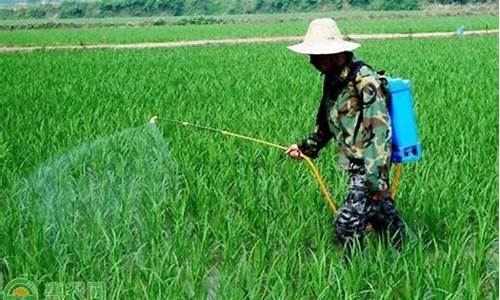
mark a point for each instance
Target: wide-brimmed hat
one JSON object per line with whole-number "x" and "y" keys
{"x": 323, "y": 37}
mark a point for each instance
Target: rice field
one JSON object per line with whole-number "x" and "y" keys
{"x": 243, "y": 18}
{"x": 125, "y": 35}
{"x": 91, "y": 193}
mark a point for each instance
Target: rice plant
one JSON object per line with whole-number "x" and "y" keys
{"x": 176, "y": 213}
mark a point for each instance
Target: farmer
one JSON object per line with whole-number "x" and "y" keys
{"x": 353, "y": 111}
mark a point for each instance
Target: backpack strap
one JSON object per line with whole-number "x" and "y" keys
{"x": 384, "y": 83}
{"x": 352, "y": 76}
{"x": 355, "y": 67}
{"x": 339, "y": 85}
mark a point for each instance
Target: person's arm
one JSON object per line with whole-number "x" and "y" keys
{"x": 311, "y": 144}
{"x": 377, "y": 133}
{"x": 315, "y": 141}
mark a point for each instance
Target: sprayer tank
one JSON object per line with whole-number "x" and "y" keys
{"x": 405, "y": 143}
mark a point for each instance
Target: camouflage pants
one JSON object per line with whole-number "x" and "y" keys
{"x": 359, "y": 210}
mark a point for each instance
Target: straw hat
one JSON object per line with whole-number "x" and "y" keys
{"x": 323, "y": 37}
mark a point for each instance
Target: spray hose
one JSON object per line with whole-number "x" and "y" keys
{"x": 324, "y": 190}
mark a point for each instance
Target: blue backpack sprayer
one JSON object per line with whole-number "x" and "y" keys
{"x": 406, "y": 146}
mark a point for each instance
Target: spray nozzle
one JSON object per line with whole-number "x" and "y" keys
{"x": 153, "y": 120}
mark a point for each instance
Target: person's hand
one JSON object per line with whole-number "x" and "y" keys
{"x": 380, "y": 195}
{"x": 294, "y": 152}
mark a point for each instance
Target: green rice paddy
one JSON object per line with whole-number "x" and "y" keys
{"x": 89, "y": 194}
{"x": 125, "y": 35}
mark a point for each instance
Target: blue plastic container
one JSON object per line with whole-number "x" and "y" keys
{"x": 405, "y": 143}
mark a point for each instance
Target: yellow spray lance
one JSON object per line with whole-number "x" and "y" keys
{"x": 308, "y": 160}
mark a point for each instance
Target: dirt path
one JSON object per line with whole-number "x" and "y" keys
{"x": 273, "y": 39}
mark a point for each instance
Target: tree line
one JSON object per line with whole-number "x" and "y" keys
{"x": 109, "y": 8}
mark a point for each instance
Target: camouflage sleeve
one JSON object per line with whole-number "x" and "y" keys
{"x": 315, "y": 141}
{"x": 376, "y": 134}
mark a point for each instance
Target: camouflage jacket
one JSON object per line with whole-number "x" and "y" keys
{"x": 356, "y": 116}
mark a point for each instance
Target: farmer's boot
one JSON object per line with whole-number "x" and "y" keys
{"x": 385, "y": 220}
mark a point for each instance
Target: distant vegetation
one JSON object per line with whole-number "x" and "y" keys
{"x": 109, "y": 8}
{"x": 108, "y": 34}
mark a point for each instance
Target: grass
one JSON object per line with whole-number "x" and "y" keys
{"x": 122, "y": 35}
{"x": 227, "y": 216}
